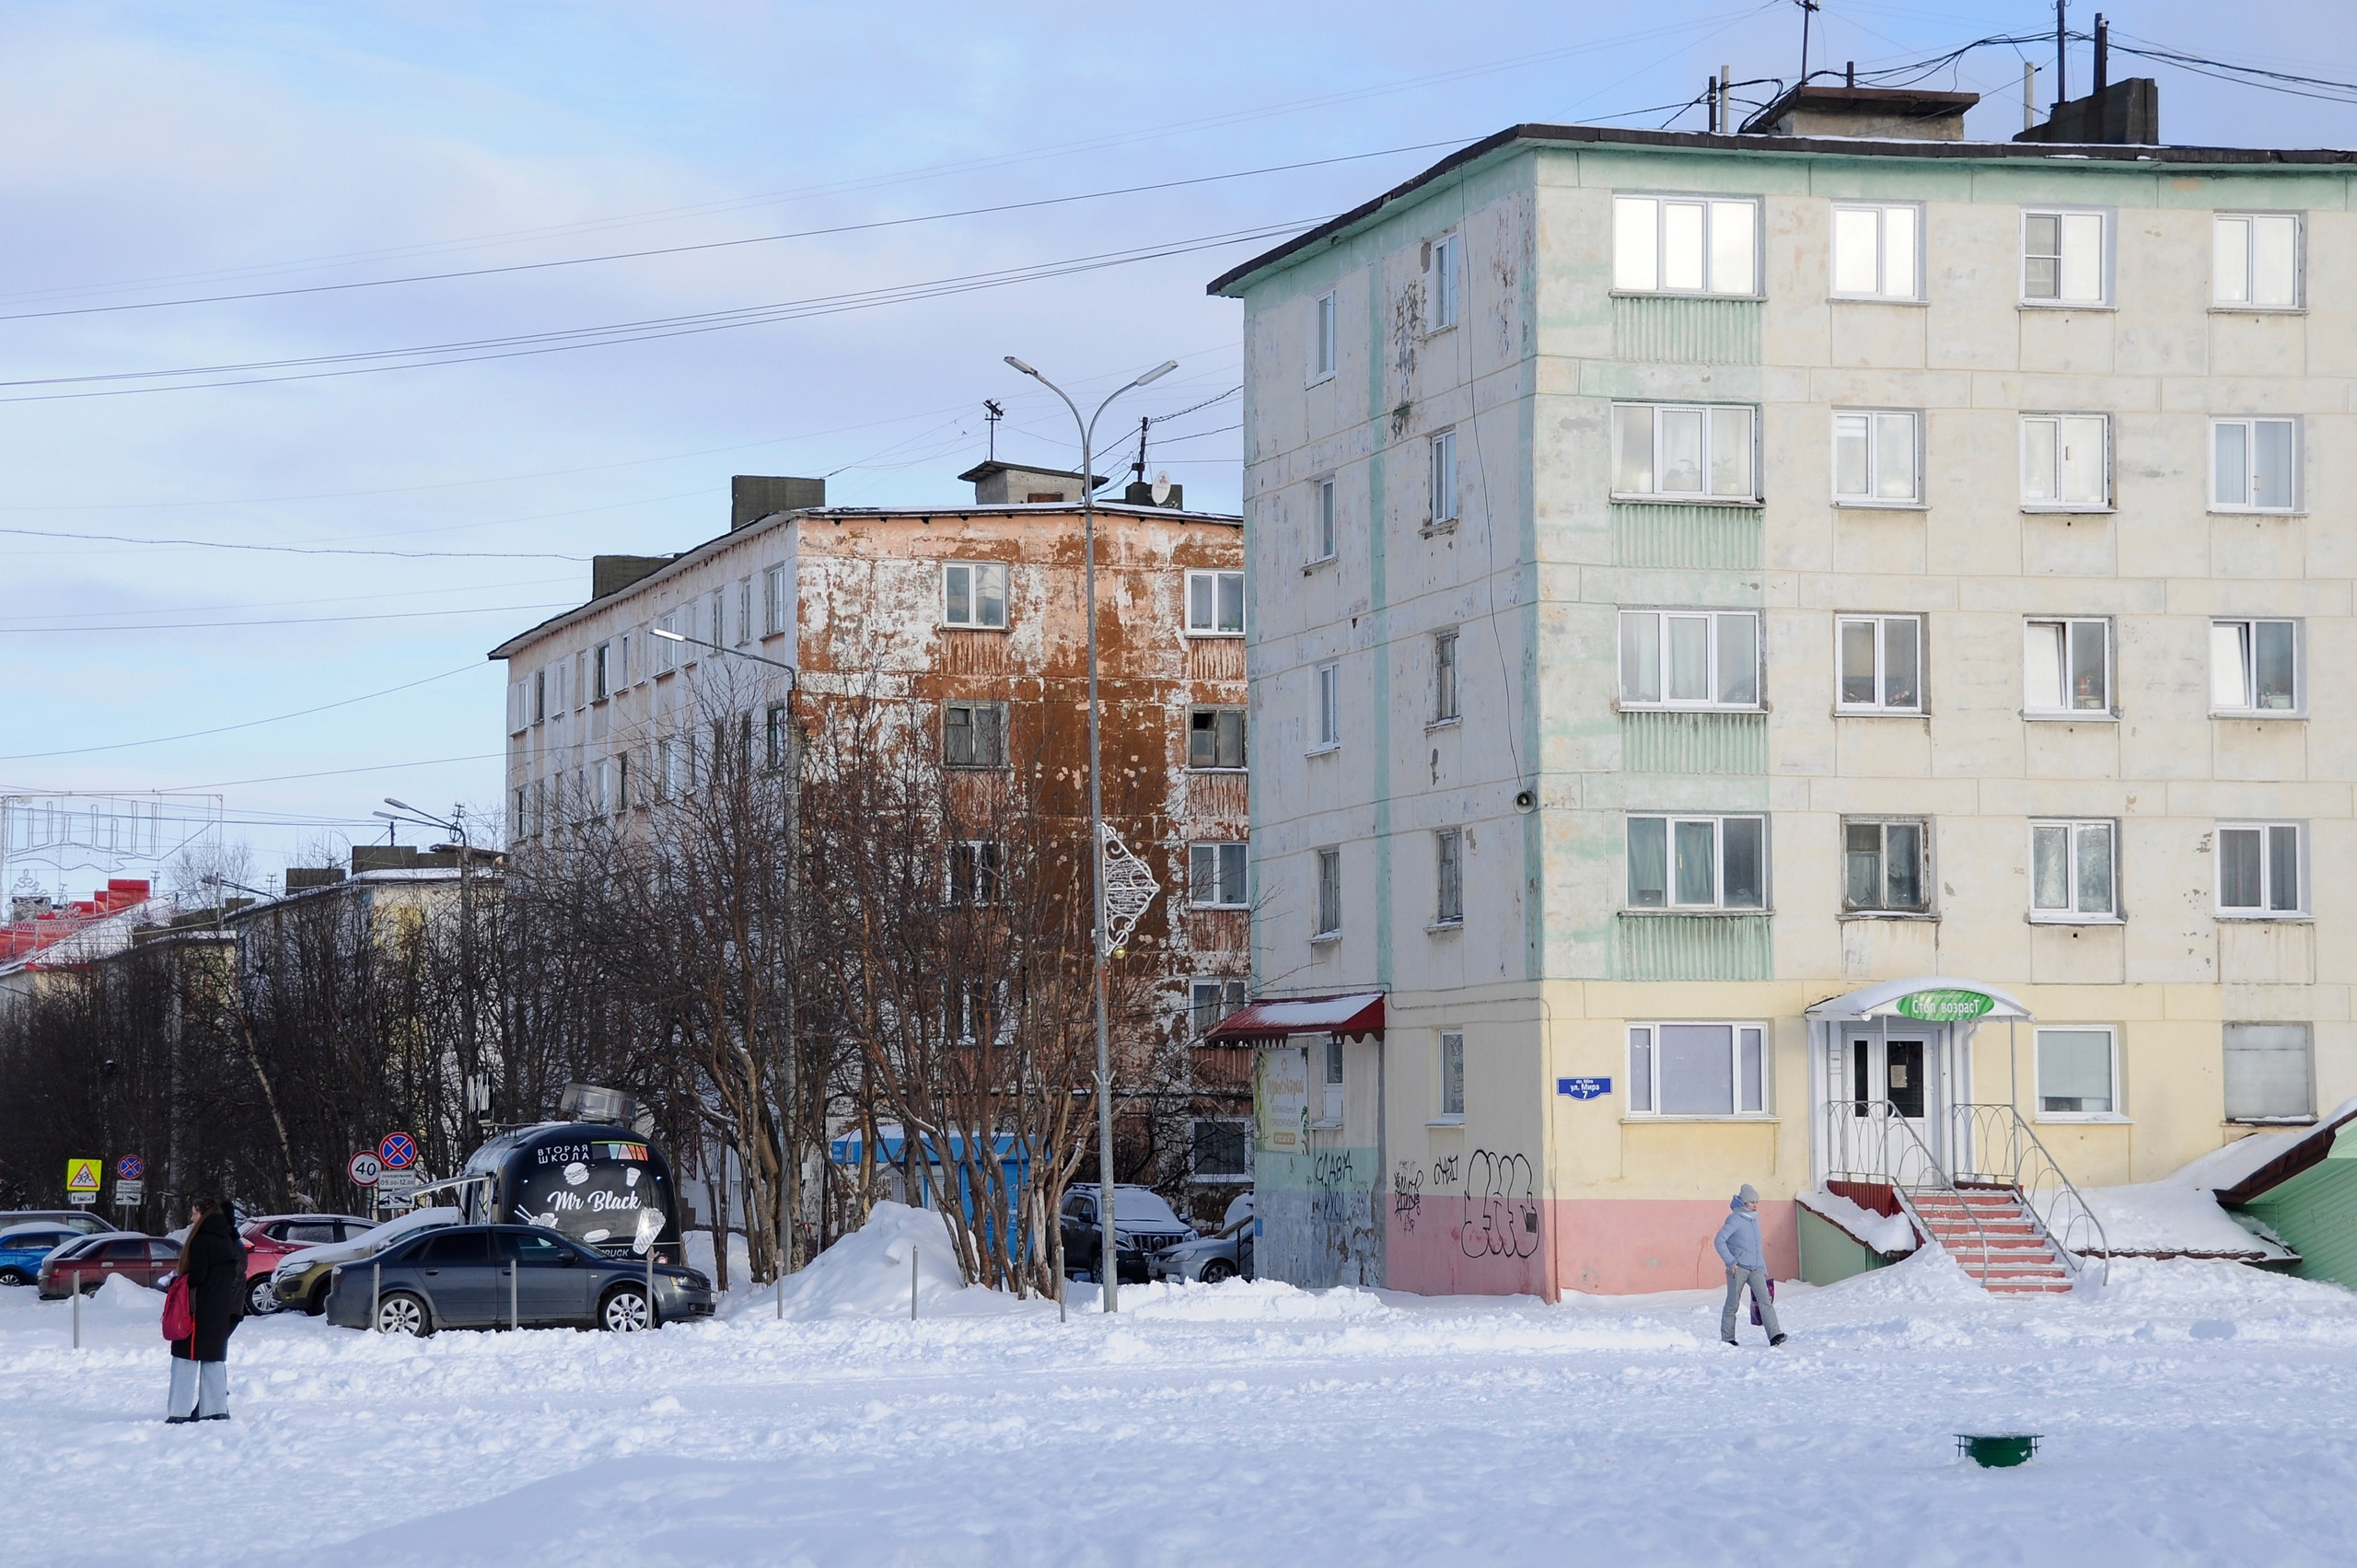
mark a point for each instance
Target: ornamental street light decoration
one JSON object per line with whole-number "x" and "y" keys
{"x": 1130, "y": 888}
{"x": 1109, "y": 1264}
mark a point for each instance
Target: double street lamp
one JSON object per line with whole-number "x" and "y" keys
{"x": 472, "y": 1067}
{"x": 1109, "y": 1258}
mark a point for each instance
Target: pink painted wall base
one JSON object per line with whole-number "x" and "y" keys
{"x": 1603, "y": 1245}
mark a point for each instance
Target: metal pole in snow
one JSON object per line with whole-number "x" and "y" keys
{"x": 650, "y": 1278}
{"x": 512, "y": 1319}
{"x": 376, "y": 1288}
{"x": 912, "y": 1285}
{"x": 78, "y": 1309}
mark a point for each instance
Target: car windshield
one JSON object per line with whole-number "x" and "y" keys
{"x": 1139, "y": 1209}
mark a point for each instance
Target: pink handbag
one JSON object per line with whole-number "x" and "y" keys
{"x": 180, "y": 1323}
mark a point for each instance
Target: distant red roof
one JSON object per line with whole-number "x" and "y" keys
{"x": 1350, "y": 1014}
{"x": 21, "y": 937}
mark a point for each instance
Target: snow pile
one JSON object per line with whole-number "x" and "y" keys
{"x": 2179, "y": 1216}
{"x": 865, "y": 1274}
{"x": 1925, "y": 1277}
{"x": 123, "y": 1295}
{"x": 1235, "y": 1301}
{"x": 1884, "y": 1233}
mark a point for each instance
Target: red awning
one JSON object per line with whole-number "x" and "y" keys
{"x": 1351, "y": 1014}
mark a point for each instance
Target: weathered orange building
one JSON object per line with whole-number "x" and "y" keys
{"x": 972, "y": 618}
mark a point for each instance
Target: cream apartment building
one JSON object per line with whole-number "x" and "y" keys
{"x": 1714, "y": 597}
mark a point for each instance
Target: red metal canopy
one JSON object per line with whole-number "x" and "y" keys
{"x": 1349, "y": 1014}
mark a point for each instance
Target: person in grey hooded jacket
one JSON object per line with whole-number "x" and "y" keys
{"x": 1738, "y": 1245}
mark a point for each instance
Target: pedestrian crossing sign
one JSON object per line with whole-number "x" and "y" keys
{"x": 82, "y": 1176}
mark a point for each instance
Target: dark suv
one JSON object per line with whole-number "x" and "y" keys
{"x": 486, "y": 1276}
{"x": 1143, "y": 1225}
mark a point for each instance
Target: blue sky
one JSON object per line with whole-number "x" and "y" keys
{"x": 162, "y": 152}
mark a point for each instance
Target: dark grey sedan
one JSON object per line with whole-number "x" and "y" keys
{"x": 487, "y": 1276}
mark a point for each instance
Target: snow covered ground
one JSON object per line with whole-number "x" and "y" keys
{"x": 2194, "y": 1412}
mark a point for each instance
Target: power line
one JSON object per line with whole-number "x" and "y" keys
{"x": 311, "y": 621}
{"x": 309, "y": 549}
{"x": 250, "y": 723}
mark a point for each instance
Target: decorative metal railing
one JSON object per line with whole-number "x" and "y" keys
{"x": 1874, "y": 1142}
{"x": 1992, "y": 1146}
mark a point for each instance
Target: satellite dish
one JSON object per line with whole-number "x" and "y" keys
{"x": 1161, "y": 488}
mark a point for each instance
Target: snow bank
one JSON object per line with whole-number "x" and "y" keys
{"x": 1884, "y": 1233}
{"x": 2180, "y": 1213}
{"x": 865, "y": 1274}
{"x": 128, "y": 1295}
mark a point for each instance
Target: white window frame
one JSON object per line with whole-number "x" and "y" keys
{"x": 1324, "y": 526}
{"x": 980, "y": 577}
{"x": 1448, "y": 269}
{"x": 1323, "y": 334}
{"x": 2065, "y": 426}
{"x": 1643, "y": 1042}
{"x": 1884, "y": 260}
{"x": 1876, "y": 421}
{"x": 2069, "y": 222}
{"x": 2037, "y": 1071}
{"x": 1654, "y": 415}
{"x": 2244, "y": 631}
{"x": 2227, "y": 1048}
{"x": 773, "y": 601}
{"x": 1326, "y": 714}
{"x": 1447, "y": 695}
{"x": 1243, "y": 739}
{"x": 2268, "y": 831}
{"x": 540, "y": 695}
{"x": 2072, "y": 627}
{"x": 2224, "y": 242}
{"x": 1223, "y": 868}
{"x": 1325, "y": 914}
{"x": 666, "y": 657}
{"x": 1208, "y": 626}
{"x": 1448, "y": 877}
{"x": 601, "y": 671}
{"x": 1713, "y": 632}
{"x": 717, "y": 623}
{"x": 1671, "y": 822}
{"x": 1636, "y": 212}
{"x": 1926, "y": 878}
{"x": 2073, "y": 830}
{"x": 1881, "y": 705}
{"x": 1195, "y": 1173}
{"x": 744, "y": 613}
{"x": 1447, "y": 504}
{"x": 2247, "y": 481}
{"x": 1450, "y": 1058}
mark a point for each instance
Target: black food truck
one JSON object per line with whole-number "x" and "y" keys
{"x": 605, "y": 1186}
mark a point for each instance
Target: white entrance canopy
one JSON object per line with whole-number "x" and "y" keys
{"x": 1937, "y": 999}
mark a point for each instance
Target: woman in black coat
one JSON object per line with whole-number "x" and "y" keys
{"x": 212, "y": 1260}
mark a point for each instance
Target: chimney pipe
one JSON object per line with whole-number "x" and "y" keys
{"x": 1850, "y": 76}
{"x": 2103, "y": 51}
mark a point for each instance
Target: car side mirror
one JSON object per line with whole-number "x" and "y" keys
{"x": 572, "y": 1259}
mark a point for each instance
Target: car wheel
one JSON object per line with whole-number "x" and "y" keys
{"x": 401, "y": 1313}
{"x": 15, "y": 1277}
{"x": 624, "y": 1311}
{"x": 1218, "y": 1268}
{"x": 316, "y": 1303}
{"x": 261, "y": 1300}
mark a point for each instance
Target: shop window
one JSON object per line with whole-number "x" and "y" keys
{"x": 2270, "y": 1073}
{"x": 2078, "y": 1071}
{"x": 1697, "y": 1069}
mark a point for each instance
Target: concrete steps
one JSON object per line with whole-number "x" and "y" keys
{"x": 2017, "y": 1260}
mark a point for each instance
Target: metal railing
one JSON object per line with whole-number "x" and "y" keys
{"x": 1992, "y": 1146}
{"x": 1874, "y": 1142}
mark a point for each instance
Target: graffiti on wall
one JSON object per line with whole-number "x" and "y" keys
{"x": 1407, "y": 1195}
{"x": 1501, "y": 1207}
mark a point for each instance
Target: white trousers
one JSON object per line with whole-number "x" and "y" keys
{"x": 199, "y": 1389}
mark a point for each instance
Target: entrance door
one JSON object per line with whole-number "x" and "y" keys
{"x": 1890, "y": 1083}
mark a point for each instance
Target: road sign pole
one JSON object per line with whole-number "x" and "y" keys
{"x": 78, "y": 1309}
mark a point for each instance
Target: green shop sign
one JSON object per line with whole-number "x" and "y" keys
{"x": 1946, "y": 1007}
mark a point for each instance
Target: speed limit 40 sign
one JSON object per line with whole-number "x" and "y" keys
{"x": 364, "y": 1168}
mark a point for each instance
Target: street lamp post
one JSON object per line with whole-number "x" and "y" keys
{"x": 1108, "y": 1258}
{"x": 789, "y": 1194}
{"x": 456, "y": 826}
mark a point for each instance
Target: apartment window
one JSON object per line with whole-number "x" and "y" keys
{"x": 1445, "y": 477}
{"x": 667, "y": 654}
{"x": 522, "y": 824}
{"x": 975, "y": 866}
{"x": 2270, "y": 1073}
{"x": 720, "y": 616}
{"x": 1874, "y": 460}
{"x": 1452, "y": 1072}
{"x": 1444, "y": 678}
{"x": 599, "y": 777}
{"x": 1223, "y": 1149}
{"x": 974, "y": 594}
{"x": 744, "y": 613}
{"x": 2254, "y": 465}
{"x": 1884, "y": 865}
{"x": 2260, "y": 869}
{"x": 2078, "y": 1071}
{"x": 622, "y": 662}
{"x": 1216, "y": 604}
{"x": 540, "y": 695}
{"x": 622, "y": 781}
{"x": 1449, "y": 847}
{"x": 2074, "y": 871}
{"x": 778, "y": 734}
{"x": 580, "y": 681}
{"x": 1685, "y": 245}
{"x": 1217, "y": 876}
{"x": 1875, "y": 251}
{"x": 2066, "y": 461}
{"x": 2066, "y": 668}
{"x": 1330, "y": 706}
{"x": 600, "y": 687}
{"x": 2063, "y": 258}
{"x": 973, "y": 735}
{"x": 1215, "y": 738}
{"x": 1667, "y": 452}
{"x": 1882, "y": 663}
{"x": 670, "y": 768}
{"x": 1211, "y": 1000}
{"x": 1321, "y": 353}
{"x": 1697, "y": 1069}
{"x": 1690, "y": 659}
{"x": 2255, "y": 666}
{"x": 2255, "y": 261}
{"x": 1445, "y": 270}
{"x": 1701, "y": 862}
{"x": 1322, "y": 521}
{"x": 1330, "y": 1110}
{"x": 773, "y": 601}
{"x": 1330, "y": 892}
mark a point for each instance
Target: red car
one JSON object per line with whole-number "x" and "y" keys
{"x": 270, "y": 1238}
{"x": 144, "y": 1259}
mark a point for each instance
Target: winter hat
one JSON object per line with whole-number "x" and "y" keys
{"x": 1749, "y": 1194}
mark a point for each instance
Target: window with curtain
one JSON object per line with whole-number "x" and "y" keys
{"x": 2077, "y": 1072}
{"x": 1697, "y": 1069}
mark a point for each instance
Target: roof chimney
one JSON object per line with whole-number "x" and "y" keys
{"x": 1876, "y": 113}
{"x": 1007, "y": 484}
{"x": 2124, "y": 114}
{"x": 753, "y": 497}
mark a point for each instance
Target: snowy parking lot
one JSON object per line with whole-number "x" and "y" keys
{"x": 2192, "y": 1412}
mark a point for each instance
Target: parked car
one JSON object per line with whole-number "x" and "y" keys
{"x": 81, "y": 1222}
{"x": 23, "y": 1247}
{"x": 271, "y": 1237}
{"x": 1207, "y": 1259}
{"x": 1143, "y": 1225}
{"x": 89, "y": 1259}
{"x": 301, "y": 1278}
{"x": 471, "y": 1276}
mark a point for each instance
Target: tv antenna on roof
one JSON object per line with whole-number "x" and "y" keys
{"x": 992, "y": 413}
{"x": 1808, "y": 9}
{"x": 1138, "y": 468}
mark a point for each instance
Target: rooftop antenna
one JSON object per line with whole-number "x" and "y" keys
{"x": 1138, "y": 466}
{"x": 992, "y": 413}
{"x": 1808, "y": 9}
{"x": 2062, "y": 55}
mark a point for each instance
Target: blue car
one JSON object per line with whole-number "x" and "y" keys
{"x": 23, "y": 1247}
